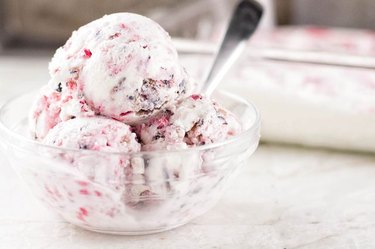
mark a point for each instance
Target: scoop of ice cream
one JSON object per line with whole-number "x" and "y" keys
{"x": 196, "y": 120}
{"x": 53, "y": 106}
{"x": 98, "y": 134}
{"x": 94, "y": 133}
{"x": 126, "y": 65}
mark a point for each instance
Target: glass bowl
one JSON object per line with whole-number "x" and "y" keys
{"x": 167, "y": 188}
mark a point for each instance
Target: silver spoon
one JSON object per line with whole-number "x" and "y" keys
{"x": 244, "y": 22}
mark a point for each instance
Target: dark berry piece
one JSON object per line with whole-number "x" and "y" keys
{"x": 115, "y": 35}
{"x": 196, "y": 96}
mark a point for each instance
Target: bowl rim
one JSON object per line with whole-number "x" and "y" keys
{"x": 242, "y": 136}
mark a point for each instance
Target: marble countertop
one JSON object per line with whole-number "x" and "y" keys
{"x": 285, "y": 197}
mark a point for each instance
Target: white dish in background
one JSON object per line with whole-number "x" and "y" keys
{"x": 301, "y": 103}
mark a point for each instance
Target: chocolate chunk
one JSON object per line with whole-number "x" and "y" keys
{"x": 149, "y": 82}
{"x": 157, "y": 136}
{"x": 83, "y": 147}
{"x": 181, "y": 86}
{"x": 121, "y": 81}
{"x": 223, "y": 119}
{"x": 114, "y": 89}
{"x": 200, "y": 122}
{"x": 73, "y": 71}
{"x": 59, "y": 88}
{"x": 176, "y": 175}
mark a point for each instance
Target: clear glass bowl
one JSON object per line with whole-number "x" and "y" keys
{"x": 166, "y": 190}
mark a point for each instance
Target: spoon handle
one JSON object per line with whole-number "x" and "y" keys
{"x": 244, "y": 22}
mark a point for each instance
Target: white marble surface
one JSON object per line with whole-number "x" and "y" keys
{"x": 286, "y": 197}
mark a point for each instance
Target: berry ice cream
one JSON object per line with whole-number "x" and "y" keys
{"x": 53, "y": 106}
{"x": 96, "y": 133}
{"x": 126, "y": 66}
{"x": 102, "y": 135}
{"x": 196, "y": 120}
{"x": 117, "y": 104}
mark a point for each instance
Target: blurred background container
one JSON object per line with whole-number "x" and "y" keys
{"x": 46, "y": 23}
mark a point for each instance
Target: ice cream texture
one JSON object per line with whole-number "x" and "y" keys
{"x": 125, "y": 64}
{"x": 196, "y": 120}
{"x": 54, "y": 106}
{"x": 102, "y": 135}
{"x": 95, "y": 133}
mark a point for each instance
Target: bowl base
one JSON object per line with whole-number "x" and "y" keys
{"x": 130, "y": 233}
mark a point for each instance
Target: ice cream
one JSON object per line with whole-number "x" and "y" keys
{"x": 125, "y": 64}
{"x": 98, "y": 134}
{"x": 118, "y": 102}
{"x": 93, "y": 186}
{"x": 95, "y": 133}
{"x": 53, "y": 106}
{"x": 196, "y": 120}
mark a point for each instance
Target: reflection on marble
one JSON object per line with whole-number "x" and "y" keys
{"x": 286, "y": 197}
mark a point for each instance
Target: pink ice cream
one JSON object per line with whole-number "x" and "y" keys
{"x": 117, "y": 88}
{"x": 196, "y": 120}
{"x": 53, "y": 106}
{"x": 98, "y": 134}
{"x": 126, "y": 66}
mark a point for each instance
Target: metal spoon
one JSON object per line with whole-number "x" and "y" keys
{"x": 244, "y": 22}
